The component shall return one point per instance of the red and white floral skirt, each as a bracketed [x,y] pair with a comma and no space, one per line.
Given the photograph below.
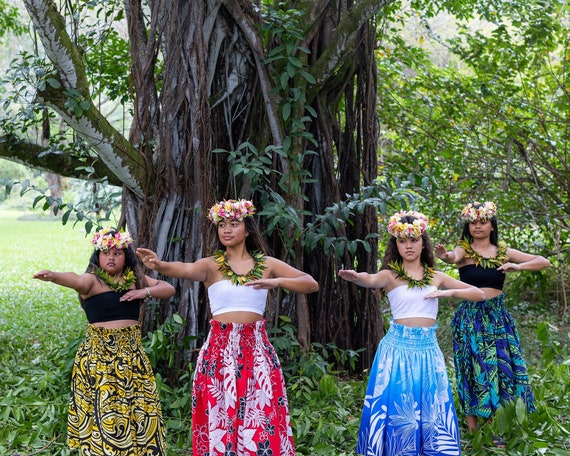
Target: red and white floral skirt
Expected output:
[239,402]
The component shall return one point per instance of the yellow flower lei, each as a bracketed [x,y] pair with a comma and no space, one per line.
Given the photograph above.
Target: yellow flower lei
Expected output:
[128,278]
[402,274]
[239,279]
[482,261]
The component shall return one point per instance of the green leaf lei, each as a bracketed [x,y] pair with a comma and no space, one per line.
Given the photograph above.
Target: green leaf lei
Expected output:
[402,274]
[128,278]
[482,261]
[239,279]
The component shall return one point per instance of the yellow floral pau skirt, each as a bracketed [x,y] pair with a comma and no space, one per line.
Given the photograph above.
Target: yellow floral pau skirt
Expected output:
[114,407]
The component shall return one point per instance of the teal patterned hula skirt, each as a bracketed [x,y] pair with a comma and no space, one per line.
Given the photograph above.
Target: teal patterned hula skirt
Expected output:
[489,364]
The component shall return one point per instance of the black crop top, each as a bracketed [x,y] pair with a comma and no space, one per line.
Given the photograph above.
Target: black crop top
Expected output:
[481,277]
[107,307]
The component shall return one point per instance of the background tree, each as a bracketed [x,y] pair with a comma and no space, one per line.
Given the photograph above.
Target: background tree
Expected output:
[278,103]
[478,101]
[284,92]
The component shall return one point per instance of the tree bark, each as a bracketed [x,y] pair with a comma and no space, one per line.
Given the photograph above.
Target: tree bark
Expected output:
[201,82]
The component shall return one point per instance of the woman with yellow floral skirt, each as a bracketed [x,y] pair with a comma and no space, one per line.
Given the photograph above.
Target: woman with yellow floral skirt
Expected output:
[489,364]
[114,408]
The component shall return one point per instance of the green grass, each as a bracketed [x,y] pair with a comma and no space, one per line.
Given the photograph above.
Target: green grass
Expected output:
[41,325]
[35,314]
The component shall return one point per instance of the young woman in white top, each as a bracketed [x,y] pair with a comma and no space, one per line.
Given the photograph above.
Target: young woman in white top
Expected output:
[239,401]
[408,408]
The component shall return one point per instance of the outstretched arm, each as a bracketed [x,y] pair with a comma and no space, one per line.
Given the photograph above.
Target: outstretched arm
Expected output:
[520,261]
[197,271]
[365,279]
[80,283]
[450,257]
[455,288]
[285,276]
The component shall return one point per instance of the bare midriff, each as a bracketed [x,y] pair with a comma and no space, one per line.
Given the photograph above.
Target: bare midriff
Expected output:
[238,317]
[115,324]
[491,292]
[416,322]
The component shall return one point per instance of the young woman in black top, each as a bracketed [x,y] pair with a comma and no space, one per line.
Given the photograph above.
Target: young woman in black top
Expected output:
[114,407]
[489,364]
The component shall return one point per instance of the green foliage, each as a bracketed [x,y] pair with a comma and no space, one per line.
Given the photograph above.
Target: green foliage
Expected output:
[94,208]
[488,123]
[10,19]
[41,326]
[287,66]
[385,196]
[162,345]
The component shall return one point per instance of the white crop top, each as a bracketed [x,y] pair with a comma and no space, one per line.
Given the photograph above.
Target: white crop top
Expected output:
[409,302]
[226,297]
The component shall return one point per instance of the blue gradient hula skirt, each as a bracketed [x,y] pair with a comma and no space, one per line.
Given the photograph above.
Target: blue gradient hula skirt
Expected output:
[408,408]
[489,364]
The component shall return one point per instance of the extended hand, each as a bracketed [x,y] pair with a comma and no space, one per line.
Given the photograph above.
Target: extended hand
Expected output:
[440,251]
[148,257]
[439,294]
[509,267]
[45,275]
[348,274]
[133,294]
[263,284]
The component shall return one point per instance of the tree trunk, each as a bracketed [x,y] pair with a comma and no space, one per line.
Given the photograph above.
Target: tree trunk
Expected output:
[202,81]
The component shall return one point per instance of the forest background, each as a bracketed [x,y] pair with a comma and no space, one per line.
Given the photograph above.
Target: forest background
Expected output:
[330,117]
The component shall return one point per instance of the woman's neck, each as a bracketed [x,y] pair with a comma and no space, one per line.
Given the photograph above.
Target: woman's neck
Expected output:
[481,243]
[237,253]
[412,266]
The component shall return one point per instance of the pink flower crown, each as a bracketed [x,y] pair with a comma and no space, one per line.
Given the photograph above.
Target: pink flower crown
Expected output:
[400,229]
[110,238]
[231,209]
[479,211]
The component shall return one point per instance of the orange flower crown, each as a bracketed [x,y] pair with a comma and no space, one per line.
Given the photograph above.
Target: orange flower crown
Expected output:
[400,229]
[231,209]
[479,211]
[110,238]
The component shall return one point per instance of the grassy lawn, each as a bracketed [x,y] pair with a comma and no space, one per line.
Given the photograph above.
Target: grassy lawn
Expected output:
[41,325]
[39,316]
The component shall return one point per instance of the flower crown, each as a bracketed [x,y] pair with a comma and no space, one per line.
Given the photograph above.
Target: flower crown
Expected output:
[400,229]
[109,239]
[479,211]
[231,209]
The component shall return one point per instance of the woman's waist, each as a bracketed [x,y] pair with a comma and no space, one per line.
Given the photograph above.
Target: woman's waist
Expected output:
[238,317]
[115,324]
[491,293]
[411,336]
[122,336]
[414,322]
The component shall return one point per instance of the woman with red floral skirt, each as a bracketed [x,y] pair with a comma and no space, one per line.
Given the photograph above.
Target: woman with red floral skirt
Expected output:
[239,401]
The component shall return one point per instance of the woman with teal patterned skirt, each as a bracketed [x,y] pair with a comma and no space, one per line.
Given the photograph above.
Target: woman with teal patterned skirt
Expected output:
[114,409]
[489,364]
[408,407]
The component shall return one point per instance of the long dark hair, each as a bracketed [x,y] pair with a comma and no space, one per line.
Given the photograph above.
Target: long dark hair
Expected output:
[493,237]
[255,239]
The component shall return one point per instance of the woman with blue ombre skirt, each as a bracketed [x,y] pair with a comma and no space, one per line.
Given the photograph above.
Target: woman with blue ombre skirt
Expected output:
[408,408]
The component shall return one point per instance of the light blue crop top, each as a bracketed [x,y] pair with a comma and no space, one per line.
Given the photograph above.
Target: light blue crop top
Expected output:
[409,302]
[226,297]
